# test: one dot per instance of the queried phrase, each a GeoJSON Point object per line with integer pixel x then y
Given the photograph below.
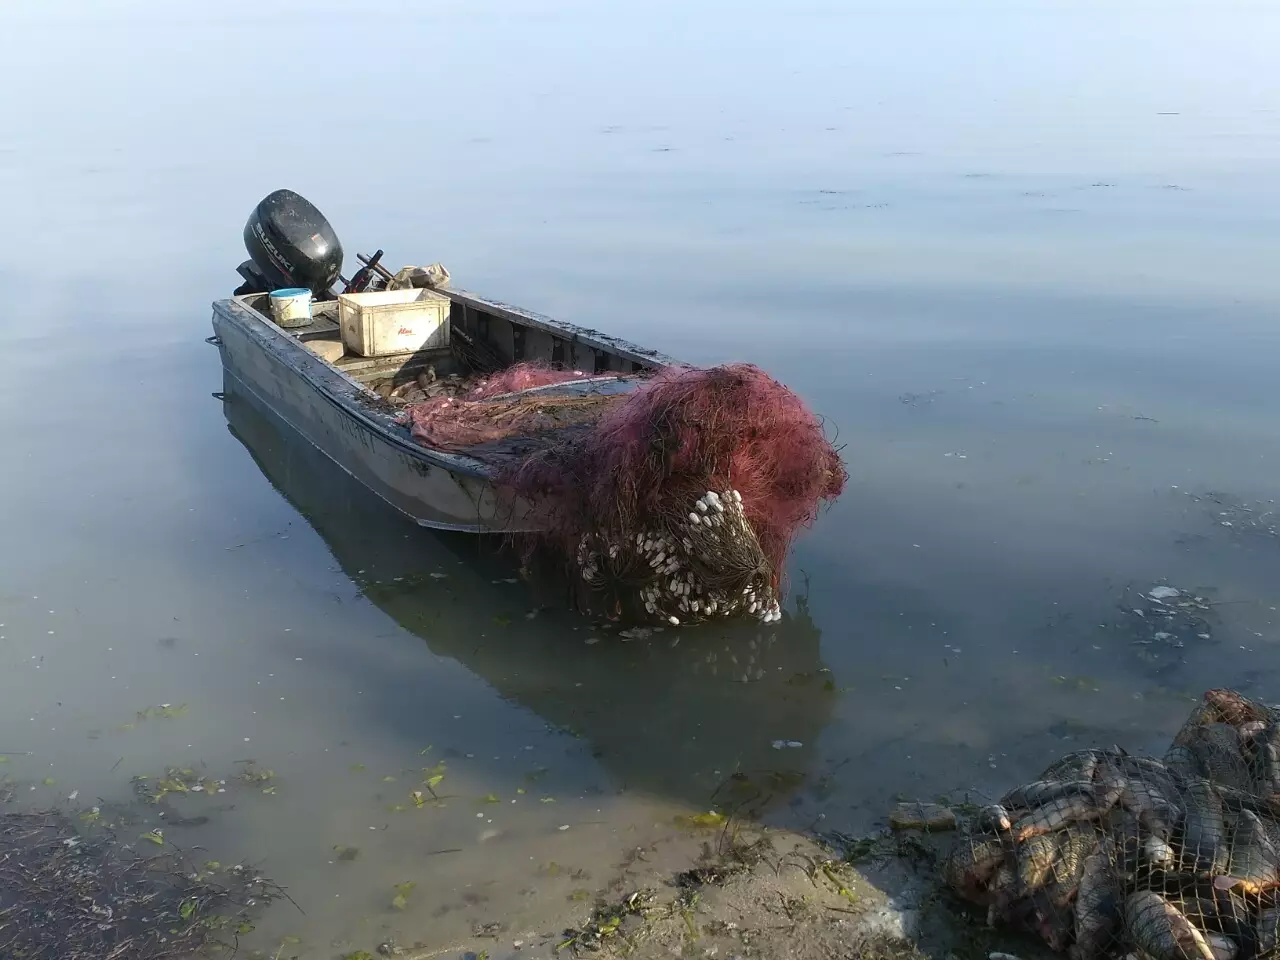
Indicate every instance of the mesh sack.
{"type": "Point", "coordinates": [1108, 854]}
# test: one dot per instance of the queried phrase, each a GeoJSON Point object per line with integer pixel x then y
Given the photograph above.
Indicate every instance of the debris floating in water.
{"type": "Point", "coordinates": [76, 892]}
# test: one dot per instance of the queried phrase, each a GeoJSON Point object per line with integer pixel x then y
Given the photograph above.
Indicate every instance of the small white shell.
{"type": "Point", "coordinates": [674, 621]}
{"type": "Point", "coordinates": [1157, 850]}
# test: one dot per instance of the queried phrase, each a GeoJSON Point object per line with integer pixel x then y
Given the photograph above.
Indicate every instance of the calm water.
{"type": "Point", "coordinates": [1021, 255]}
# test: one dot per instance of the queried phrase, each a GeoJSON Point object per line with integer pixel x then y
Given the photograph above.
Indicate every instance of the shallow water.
{"type": "Point", "coordinates": [1021, 256]}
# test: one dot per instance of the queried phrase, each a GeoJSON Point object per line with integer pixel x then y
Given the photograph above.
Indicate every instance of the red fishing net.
{"type": "Point", "coordinates": [460, 422]}
{"type": "Point", "coordinates": [684, 432]}
{"type": "Point", "coordinates": [677, 501]}
{"type": "Point", "coordinates": [682, 501]}
{"type": "Point", "coordinates": [521, 376]}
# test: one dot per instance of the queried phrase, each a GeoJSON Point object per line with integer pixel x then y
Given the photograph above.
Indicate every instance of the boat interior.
{"type": "Point", "coordinates": [485, 337]}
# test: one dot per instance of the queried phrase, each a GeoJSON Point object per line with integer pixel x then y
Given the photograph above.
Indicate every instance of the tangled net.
{"type": "Point", "coordinates": [682, 501]}
{"type": "Point", "coordinates": [1108, 853]}
{"type": "Point", "coordinates": [493, 409]}
{"type": "Point", "coordinates": [675, 502]}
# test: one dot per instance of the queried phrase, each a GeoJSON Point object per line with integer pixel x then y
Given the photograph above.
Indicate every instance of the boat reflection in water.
{"type": "Point", "coordinates": [674, 715]}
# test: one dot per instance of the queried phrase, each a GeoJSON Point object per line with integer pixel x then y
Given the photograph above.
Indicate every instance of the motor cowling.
{"type": "Point", "coordinates": [292, 244]}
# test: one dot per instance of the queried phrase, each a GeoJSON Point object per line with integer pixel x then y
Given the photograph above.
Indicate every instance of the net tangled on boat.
{"type": "Point", "coordinates": [1108, 854]}
{"type": "Point", "coordinates": [681, 501]}
{"type": "Point", "coordinates": [672, 503]}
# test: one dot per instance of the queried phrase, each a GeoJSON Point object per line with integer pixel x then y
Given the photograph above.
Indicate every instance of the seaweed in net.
{"type": "Point", "coordinates": [1175, 858]}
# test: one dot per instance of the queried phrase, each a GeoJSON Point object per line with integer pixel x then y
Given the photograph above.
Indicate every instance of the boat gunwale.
{"type": "Point", "coordinates": [571, 332]}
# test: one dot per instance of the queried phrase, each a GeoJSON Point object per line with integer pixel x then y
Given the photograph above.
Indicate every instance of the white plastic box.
{"type": "Point", "coordinates": [393, 321]}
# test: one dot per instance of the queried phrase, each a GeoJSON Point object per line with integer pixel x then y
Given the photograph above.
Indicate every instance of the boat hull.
{"type": "Point", "coordinates": [335, 415]}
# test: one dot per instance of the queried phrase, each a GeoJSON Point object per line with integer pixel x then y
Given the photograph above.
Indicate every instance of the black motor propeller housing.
{"type": "Point", "coordinates": [290, 244]}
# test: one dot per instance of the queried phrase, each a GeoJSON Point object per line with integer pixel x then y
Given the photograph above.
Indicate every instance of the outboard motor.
{"type": "Point", "coordinates": [290, 244]}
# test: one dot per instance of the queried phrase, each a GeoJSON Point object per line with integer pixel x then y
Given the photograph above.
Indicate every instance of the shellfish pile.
{"type": "Point", "coordinates": [706, 564]}
{"type": "Point", "coordinates": [1108, 854]}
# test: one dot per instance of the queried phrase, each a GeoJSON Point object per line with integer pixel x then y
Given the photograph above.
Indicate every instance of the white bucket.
{"type": "Point", "coordinates": [291, 307]}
